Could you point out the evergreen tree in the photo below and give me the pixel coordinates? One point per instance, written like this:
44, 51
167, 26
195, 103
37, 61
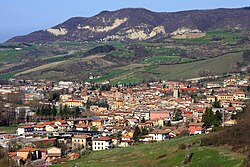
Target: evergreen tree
144, 131
137, 133
216, 104
217, 118
77, 111
61, 113
54, 110
66, 111
208, 117
38, 112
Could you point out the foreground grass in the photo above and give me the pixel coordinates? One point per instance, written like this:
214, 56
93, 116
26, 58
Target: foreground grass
165, 154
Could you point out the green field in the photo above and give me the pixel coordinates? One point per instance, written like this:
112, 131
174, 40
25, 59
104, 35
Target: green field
8, 129
160, 154
10, 55
212, 66
219, 35
9, 75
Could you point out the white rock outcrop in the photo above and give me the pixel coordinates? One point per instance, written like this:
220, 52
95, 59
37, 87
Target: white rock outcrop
184, 30
116, 24
57, 31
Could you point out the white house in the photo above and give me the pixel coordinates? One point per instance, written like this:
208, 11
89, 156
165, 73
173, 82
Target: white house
102, 143
159, 134
21, 130
51, 128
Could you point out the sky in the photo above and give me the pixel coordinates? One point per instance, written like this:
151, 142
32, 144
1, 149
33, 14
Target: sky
20, 17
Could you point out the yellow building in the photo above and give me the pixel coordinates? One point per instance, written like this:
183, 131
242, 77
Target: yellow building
74, 103
225, 97
81, 141
97, 123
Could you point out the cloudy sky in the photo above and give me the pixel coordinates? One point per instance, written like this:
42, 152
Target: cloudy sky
20, 17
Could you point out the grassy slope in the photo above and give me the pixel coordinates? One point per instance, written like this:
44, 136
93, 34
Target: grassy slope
148, 155
217, 65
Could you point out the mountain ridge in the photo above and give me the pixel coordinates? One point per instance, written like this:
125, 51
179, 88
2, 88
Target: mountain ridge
138, 24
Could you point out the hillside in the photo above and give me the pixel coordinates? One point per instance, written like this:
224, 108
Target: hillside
165, 154
140, 24
133, 45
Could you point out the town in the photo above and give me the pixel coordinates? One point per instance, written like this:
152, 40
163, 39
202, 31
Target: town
61, 121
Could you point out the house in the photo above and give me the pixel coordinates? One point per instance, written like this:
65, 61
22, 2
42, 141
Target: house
39, 127
159, 134
51, 128
74, 156
96, 123
53, 153
74, 103
102, 143
196, 128
81, 141
154, 115
30, 153
146, 138
225, 97
239, 95
126, 141
82, 127
21, 130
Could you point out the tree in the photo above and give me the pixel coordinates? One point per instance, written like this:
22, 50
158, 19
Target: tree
66, 111
177, 115
217, 118
216, 104
137, 133
208, 117
144, 131
77, 111
54, 110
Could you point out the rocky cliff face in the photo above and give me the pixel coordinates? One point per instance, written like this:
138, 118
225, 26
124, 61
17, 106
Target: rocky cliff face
140, 24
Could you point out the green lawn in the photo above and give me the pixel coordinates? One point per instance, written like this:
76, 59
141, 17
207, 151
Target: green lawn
162, 154
8, 129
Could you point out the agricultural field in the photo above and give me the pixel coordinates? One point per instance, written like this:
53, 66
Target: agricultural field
220, 35
135, 73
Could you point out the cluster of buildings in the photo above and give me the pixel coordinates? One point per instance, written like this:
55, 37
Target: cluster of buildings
108, 117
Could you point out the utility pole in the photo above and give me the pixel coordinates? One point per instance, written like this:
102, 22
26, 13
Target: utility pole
187, 155
223, 117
